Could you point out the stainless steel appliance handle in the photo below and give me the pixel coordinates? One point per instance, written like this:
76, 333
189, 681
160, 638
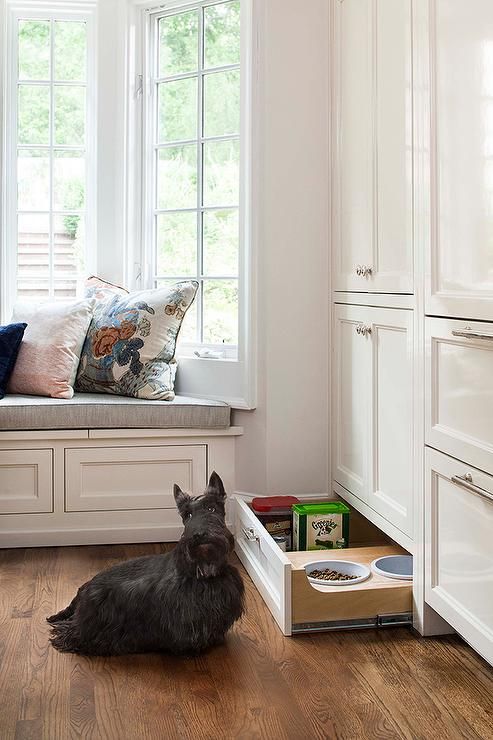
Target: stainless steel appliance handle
465, 481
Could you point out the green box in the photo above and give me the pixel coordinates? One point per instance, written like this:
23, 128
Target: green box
320, 526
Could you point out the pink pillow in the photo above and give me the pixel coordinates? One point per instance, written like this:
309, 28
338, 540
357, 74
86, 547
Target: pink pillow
49, 355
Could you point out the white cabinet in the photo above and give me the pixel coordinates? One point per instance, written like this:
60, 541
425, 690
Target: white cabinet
372, 225
26, 481
459, 396
459, 280
459, 555
126, 478
372, 402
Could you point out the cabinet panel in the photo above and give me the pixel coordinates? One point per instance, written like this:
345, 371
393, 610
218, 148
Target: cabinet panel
459, 556
460, 265
351, 400
391, 489
374, 135
459, 401
393, 254
116, 478
26, 481
354, 133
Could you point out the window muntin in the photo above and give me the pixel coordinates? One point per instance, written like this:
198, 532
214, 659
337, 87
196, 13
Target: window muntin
50, 141
195, 192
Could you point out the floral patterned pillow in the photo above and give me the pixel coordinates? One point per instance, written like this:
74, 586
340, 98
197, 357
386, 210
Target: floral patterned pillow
130, 346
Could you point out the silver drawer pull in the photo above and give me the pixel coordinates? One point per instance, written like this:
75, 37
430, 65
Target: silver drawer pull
250, 534
465, 481
470, 334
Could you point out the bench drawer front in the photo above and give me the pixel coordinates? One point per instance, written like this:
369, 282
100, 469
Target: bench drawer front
125, 478
26, 481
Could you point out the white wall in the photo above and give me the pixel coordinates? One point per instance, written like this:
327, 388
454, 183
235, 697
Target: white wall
285, 445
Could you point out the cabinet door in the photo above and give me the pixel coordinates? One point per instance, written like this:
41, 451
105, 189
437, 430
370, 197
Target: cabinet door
354, 166
460, 261
26, 481
458, 553
374, 168
351, 399
391, 416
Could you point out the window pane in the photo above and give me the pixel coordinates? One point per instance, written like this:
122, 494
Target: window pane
188, 331
68, 247
221, 311
70, 50
177, 177
222, 103
177, 244
33, 246
177, 110
69, 180
178, 43
33, 178
222, 34
34, 114
221, 173
34, 50
69, 115
220, 241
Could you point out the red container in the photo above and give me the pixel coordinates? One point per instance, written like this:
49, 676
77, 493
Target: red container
276, 514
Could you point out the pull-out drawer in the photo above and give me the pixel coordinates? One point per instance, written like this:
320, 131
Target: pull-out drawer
297, 605
459, 401
121, 478
26, 481
459, 551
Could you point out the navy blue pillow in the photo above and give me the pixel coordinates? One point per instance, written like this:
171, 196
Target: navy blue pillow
10, 342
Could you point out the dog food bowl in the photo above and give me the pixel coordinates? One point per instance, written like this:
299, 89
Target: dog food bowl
347, 567
394, 566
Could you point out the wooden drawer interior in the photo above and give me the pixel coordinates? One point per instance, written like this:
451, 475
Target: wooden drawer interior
299, 606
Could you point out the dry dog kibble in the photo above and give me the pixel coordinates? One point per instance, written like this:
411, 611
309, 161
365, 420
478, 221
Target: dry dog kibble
331, 575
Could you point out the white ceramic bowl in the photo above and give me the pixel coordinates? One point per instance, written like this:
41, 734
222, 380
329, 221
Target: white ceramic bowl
399, 567
348, 567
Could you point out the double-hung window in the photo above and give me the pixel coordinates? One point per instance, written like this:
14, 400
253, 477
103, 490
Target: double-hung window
192, 208
49, 117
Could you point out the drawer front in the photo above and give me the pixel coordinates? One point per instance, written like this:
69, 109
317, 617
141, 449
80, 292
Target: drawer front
26, 481
119, 478
265, 563
459, 553
459, 400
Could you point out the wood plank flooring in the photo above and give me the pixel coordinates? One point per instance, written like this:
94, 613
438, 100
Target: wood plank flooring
346, 685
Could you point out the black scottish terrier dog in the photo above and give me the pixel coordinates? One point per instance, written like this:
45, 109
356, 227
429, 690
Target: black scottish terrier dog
182, 602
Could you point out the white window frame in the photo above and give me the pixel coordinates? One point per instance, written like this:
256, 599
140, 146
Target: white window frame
233, 377
67, 10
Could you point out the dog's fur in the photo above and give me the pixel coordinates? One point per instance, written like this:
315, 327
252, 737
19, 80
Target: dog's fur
183, 602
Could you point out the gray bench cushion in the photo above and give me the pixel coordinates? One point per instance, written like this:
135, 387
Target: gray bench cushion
100, 411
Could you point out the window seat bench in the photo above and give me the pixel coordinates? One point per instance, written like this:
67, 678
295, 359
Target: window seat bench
100, 469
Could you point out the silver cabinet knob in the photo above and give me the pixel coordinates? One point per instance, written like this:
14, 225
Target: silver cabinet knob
363, 330
364, 270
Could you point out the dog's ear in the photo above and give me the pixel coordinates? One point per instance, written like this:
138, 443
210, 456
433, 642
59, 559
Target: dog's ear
181, 497
216, 487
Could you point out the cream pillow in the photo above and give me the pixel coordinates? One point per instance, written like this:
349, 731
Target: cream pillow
49, 355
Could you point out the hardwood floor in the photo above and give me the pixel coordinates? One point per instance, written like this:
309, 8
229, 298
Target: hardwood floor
367, 684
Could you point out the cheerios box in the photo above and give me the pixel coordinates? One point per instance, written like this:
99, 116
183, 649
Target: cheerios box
320, 526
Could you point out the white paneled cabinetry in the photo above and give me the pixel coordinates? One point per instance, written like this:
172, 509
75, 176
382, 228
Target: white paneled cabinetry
412, 213
373, 163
